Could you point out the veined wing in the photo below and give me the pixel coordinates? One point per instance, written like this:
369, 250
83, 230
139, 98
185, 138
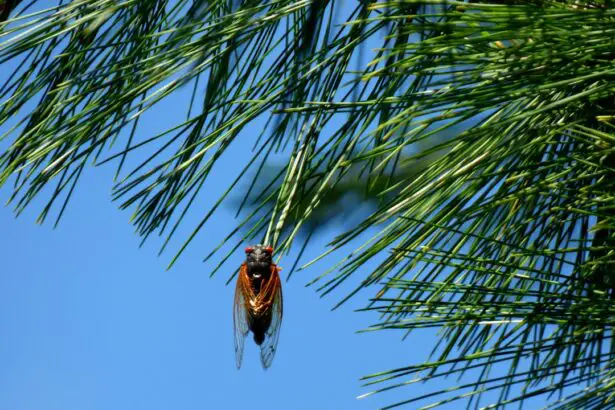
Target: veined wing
274, 293
240, 314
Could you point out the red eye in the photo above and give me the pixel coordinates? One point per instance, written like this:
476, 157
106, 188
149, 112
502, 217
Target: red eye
269, 249
249, 249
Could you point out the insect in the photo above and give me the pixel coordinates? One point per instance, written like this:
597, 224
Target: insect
258, 303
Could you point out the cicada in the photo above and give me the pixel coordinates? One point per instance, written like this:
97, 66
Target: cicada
258, 303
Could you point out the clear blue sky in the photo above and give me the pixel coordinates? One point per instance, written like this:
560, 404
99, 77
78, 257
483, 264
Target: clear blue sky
91, 322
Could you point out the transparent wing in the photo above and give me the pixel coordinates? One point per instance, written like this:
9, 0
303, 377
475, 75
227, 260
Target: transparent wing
240, 315
270, 344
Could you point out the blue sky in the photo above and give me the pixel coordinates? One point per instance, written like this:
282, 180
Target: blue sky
89, 321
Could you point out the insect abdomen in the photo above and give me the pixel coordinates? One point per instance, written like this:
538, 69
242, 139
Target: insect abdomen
259, 326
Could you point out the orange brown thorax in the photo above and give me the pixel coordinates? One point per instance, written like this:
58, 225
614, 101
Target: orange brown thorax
259, 266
